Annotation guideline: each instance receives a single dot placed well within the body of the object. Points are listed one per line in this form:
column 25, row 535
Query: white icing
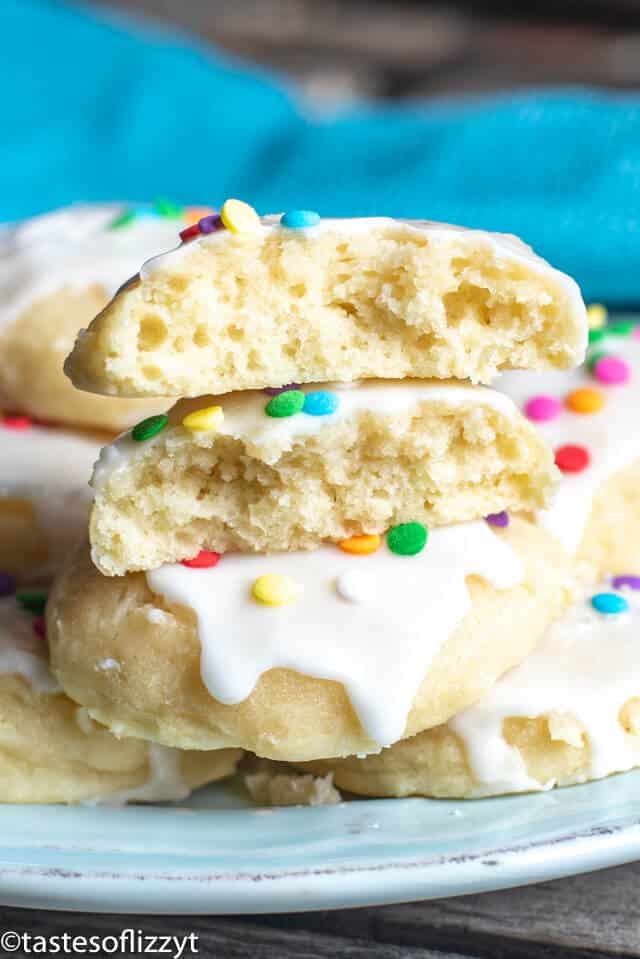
column 108, row 664
column 165, row 781
column 268, row 437
column 611, row 436
column 51, row 469
column 587, row 667
column 504, row 245
column 380, row 649
column 73, row 247
column 22, row 651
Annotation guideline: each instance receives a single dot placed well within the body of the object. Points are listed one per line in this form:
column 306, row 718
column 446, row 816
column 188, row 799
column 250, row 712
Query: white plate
column 217, row 854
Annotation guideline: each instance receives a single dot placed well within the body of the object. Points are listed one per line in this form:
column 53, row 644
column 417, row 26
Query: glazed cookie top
column 585, row 671
column 44, row 477
column 372, row 618
column 589, row 417
column 79, row 246
column 249, row 302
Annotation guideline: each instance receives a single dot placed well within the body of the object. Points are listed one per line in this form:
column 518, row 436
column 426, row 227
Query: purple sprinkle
column 632, row 582
column 275, row 390
column 498, row 519
column 7, row 584
column 211, row 223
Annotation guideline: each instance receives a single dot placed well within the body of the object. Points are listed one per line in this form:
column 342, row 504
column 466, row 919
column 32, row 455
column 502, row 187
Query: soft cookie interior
column 344, row 300
column 387, row 453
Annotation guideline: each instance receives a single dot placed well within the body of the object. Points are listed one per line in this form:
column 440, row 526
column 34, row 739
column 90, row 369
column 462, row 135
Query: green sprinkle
column 596, row 335
column 285, row 404
column 407, row 539
column 620, row 328
column 123, row 219
column 594, row 357
column 149, row 427
column 34, row 600
column 167, row 208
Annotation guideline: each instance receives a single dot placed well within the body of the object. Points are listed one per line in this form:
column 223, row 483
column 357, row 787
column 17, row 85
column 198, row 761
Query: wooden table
column 592, row 916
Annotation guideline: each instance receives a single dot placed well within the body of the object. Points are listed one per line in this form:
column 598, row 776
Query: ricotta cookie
column 56, row 272
column 44, row 495
column 568, row 714
column 306, row 655
column 589, row 418
column 52, row 751
column 246, row 303
column 254, row 472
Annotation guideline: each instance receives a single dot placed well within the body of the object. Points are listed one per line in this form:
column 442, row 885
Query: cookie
column 50, row 749
column 247, row 303
column 254, row 472
column 568, row 714
column 305, row 655
column 56, row 272
column 44, row 495
column 589, row 417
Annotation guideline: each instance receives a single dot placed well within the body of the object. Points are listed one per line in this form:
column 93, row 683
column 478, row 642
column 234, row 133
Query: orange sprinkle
column 195, row 213
column 585, row 400
column 360, row 545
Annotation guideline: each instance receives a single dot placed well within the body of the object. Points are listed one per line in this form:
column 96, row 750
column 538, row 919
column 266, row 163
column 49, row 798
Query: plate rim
column 310, row 888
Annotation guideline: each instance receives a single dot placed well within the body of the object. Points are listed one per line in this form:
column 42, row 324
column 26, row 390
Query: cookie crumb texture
column 241, row 311
column 433, row 461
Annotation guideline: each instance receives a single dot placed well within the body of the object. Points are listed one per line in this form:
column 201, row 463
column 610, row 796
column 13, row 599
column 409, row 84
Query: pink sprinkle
column 636, row 333
column 612, row 370
column 17, row 422
column 543, row 408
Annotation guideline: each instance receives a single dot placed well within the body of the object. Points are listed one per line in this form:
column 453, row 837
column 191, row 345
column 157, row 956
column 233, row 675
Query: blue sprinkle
column 321, row 403
column 609, row 603
column 299, row 219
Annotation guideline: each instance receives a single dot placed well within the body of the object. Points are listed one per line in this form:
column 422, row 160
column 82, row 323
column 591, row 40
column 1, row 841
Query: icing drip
column 165, row 783
column 379, row 643
column 267, row 437
column 73, row 247
column 587, row 667
column 611, row 436
column 22, row 652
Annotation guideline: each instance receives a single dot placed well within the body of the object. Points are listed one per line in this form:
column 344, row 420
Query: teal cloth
column 96, row 108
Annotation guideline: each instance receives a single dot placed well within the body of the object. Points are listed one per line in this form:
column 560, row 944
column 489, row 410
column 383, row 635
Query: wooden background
column 340, row 49
column 337, row 51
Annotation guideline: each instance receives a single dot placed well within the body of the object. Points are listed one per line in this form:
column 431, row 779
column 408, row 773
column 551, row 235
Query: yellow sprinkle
column 239, row 217
column 596, row 316
column 275, row 589
column 360, row 545
column 206, row 419
column 585, row 400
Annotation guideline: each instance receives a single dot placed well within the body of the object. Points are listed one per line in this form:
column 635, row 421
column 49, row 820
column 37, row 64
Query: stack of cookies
column 333, row 542
column 56, row 271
